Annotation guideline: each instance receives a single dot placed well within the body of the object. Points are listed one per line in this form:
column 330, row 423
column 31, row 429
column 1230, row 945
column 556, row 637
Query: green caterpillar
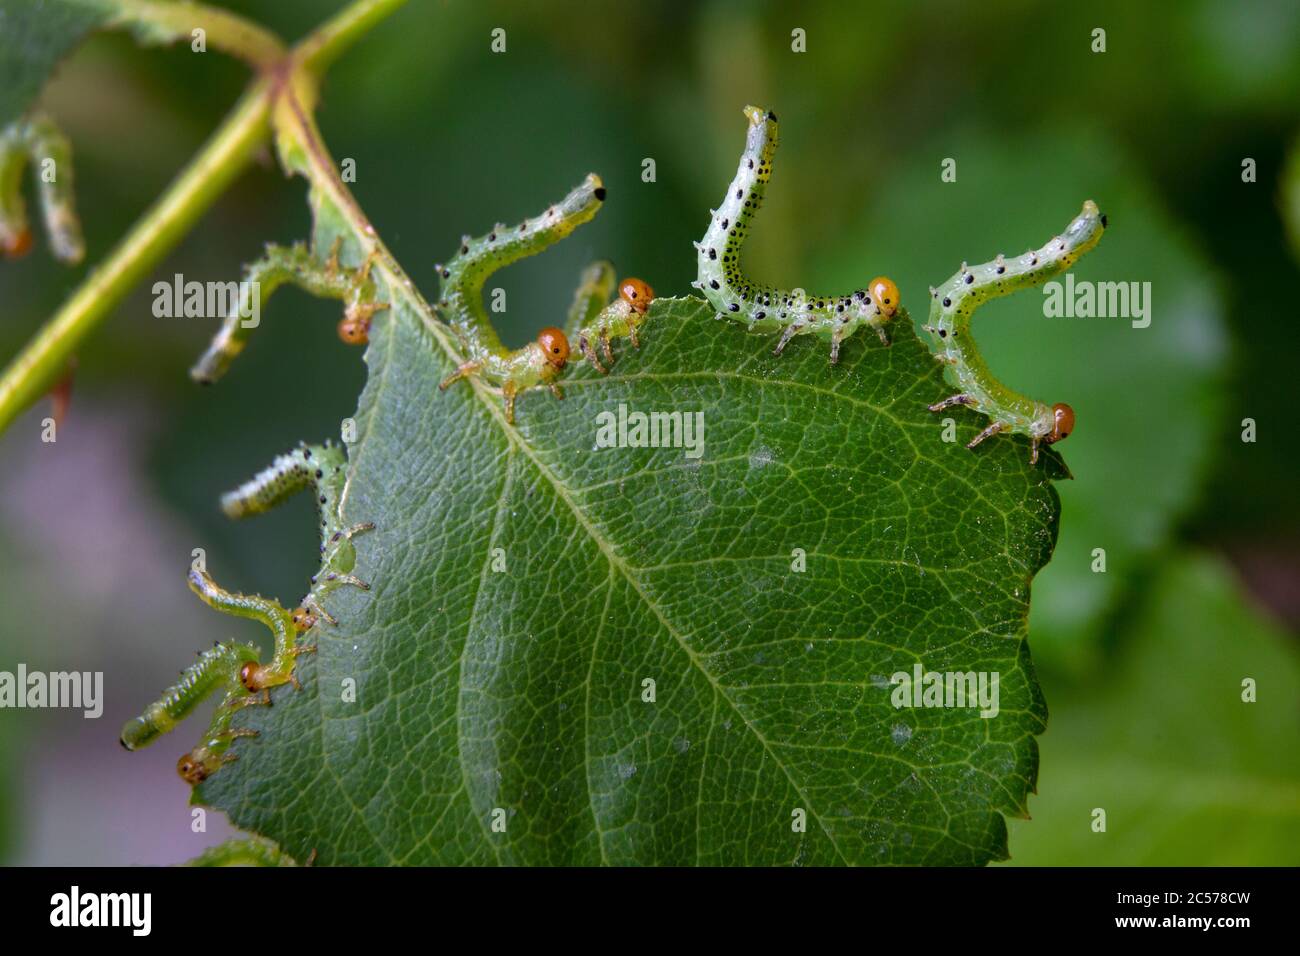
column 762, row 307
column 593, row 319
column 322, row 468
column 236, row 669
column 248, row 851
column 215, row 669
column 953, row 306
column 37, row 140
column 299, row 266
column 231, row 668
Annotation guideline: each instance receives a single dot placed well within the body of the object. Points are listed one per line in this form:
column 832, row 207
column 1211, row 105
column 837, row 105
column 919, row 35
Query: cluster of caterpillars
column 235, row 670
column 734, row 296
column 595, row 318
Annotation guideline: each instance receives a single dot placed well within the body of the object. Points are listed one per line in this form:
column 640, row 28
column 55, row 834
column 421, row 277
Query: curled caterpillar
column 593, row 319
column 233, row 669
column 953, row 306
column 252, row 676
column 298, row 266
column 236, row 669
column 39, row 141
column 323, row 470
column 763, row 307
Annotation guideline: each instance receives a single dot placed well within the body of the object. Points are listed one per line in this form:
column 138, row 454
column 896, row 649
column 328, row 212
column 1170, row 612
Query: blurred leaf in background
column 1187, row 772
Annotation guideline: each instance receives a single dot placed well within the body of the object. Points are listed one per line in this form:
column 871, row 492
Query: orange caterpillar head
column 17, row 245
column 354, row 329
column 885, row 294
column 1062, row 423
column 191, row 769
column 637, row 294
column 555, row 346
column 253, row 677
column 303, row 619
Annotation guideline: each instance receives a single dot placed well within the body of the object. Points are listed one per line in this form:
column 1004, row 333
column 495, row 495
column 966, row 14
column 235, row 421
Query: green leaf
column 34, row 37
column 523, row 690
column 1188, row 773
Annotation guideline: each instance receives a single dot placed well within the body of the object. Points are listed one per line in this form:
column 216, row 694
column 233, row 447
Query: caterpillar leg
column 836, row 338
column 260, row 699
column 793, row 329
column 347, row 534
column 508, row 395
column 318, row 609
column 39, row 141
column 986, row 433
column 464, row 370
column 341, row 579
column 588, row 352
column 951, row 401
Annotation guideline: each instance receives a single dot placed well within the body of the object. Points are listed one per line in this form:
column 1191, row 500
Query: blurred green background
column 1142, row 665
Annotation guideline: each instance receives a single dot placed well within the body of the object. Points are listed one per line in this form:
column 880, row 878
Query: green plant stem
column 324, row 45
column 45, row 358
